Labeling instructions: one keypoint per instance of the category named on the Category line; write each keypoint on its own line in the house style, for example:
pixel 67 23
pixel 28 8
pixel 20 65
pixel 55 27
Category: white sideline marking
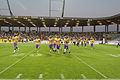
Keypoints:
pixel 18 76
pixel 18 54
pixel 114 55
pixel 31 55
pixel 15 63
pixel 62 76
pixel 84 77
pixel 41 76
pixel 35 55
pixel 39 54
pixel 91 67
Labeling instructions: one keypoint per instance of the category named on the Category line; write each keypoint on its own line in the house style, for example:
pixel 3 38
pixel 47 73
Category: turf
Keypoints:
pixel 102 62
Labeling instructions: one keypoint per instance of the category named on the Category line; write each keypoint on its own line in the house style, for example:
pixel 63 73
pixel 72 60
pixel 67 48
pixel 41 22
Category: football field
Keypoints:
pixel 102 62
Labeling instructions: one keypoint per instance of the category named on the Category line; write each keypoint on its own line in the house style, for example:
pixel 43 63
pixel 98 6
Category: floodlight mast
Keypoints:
pixel 63 8
pixel 11 14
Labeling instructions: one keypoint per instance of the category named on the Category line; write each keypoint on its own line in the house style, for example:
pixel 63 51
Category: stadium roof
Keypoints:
pixel 37 21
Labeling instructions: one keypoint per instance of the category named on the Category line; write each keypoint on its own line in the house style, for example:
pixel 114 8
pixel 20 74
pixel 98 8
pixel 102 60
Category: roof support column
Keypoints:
pixel 59 29
pixel 29 29
pixel 71 29
pixel 107 27
pixel 82 28
pixel 117 27
pixel 9 28
pixel 39 29
pixel 49 29
pixel 0 28
pixel 19 28
pixel 12 28
pixel 94 29
pixel 25 29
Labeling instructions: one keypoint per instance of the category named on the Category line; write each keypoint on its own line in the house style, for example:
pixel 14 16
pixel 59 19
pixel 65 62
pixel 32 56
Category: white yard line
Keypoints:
pixel 83 76
pixel 18 76
pixel 62 76
pixel 41 76
pixel 15 63
pixel 90 66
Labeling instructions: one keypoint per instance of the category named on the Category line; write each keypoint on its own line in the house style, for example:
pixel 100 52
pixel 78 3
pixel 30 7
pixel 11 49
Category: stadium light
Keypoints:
pixel 88 24
pixel 24 17
pixel 57 19
pixel 65 25
pixel 77 24
pixel 29 19
pixel 44 25
pixel 7 22
pixel 15 19
pixel 108 21
pixel 72 19
pixel 55 25
pixel 42 18
pixel 113 22
pixel 55 22
pixel 19 22
pixel 100 23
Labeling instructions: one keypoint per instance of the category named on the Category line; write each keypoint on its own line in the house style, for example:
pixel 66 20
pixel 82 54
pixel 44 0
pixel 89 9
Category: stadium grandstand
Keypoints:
pixel 56 45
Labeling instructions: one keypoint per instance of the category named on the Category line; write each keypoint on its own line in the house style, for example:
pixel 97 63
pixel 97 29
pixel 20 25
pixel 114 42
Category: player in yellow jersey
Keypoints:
pixel 92 42
pixel 51 43
pixel 66 45
pixel 15 42
pixel 54 44
pixel 38 44
pixel 58 43
pixel 78 42
pixel 85 43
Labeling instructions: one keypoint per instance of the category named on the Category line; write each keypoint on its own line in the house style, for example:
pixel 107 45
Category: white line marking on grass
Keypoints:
pixel 39 54
pixel 15 63
pixel 83 76
pixel 35 55
pixel 62 76
pixel 41 76
pixel 90 67
pixel 113 55
pixel 18 76
pixel 31 55
pixel 18 54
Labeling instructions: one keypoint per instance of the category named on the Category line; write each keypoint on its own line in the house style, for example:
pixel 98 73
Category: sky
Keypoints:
pixel 73 8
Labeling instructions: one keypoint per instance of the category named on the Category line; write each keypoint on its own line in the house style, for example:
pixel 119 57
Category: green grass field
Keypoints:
pixel 103 62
